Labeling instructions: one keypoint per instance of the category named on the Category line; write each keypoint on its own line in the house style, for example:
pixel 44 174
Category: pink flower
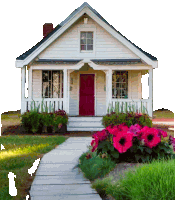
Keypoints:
pixel 163 133
pixel 102 135
pixel 123 127
pixel 94 143
pixel 123 141
pixel 109 128
pixel 150 136
pixel 135 128
pixel 172 142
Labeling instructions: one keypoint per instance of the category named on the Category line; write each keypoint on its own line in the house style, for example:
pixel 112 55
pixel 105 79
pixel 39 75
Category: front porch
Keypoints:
pixel 107 92
pixel 88 123
pixel 123 105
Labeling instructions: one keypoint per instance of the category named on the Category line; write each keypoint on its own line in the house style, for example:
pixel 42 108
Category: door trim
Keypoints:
pixel 78 91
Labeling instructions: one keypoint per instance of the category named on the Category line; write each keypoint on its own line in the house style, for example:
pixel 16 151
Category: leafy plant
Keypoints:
pixel 127 118
pixel 134 144
pixel 125 107
pixel 31 121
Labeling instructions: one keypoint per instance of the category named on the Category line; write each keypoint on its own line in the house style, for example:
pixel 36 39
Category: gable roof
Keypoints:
pixel 85 4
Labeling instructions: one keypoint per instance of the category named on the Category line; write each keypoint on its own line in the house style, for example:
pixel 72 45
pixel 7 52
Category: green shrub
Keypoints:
pixel 31 121
pixel 127 118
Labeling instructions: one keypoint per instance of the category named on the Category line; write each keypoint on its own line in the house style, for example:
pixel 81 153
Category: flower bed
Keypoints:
pixel 132 144
pixel 54 122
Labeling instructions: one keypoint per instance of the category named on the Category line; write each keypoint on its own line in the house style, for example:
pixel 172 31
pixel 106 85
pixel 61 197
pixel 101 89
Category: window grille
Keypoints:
pixel 120 85
pixel 86 41
pixel 52 84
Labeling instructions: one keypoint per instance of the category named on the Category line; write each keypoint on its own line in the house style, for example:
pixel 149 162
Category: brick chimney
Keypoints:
pixel 47 28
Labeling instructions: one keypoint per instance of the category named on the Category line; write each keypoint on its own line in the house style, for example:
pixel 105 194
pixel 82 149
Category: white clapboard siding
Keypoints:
pixel 100 94
pixel 73 101
pixel 37 83
pixel 66 46
pixel 134 84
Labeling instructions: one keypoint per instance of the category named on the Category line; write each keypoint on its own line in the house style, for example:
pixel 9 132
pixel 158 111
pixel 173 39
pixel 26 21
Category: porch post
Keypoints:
pixel 30 83
pixel 23 77
pixel 150 111
pixel 107 76
pixel 68 88
pixel 65 90
pixel 109 88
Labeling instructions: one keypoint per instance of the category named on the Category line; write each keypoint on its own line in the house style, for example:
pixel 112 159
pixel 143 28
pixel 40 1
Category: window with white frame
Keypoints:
pixel 52 84
pixel 86 41
pixel 120 85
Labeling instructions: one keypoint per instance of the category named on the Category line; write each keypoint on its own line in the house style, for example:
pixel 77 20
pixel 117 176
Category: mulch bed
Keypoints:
pixel 19 130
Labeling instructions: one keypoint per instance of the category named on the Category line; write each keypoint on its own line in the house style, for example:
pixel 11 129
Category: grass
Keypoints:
pixel 21 152
pixel 19 155
pixel 10 116
pixel 153 180
pixel 163 114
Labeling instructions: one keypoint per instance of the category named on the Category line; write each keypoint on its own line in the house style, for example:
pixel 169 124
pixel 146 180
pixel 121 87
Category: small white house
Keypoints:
pixel 84 66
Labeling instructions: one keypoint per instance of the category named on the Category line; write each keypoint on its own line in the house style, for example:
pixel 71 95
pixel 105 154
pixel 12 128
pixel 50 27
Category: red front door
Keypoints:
pixel 86 103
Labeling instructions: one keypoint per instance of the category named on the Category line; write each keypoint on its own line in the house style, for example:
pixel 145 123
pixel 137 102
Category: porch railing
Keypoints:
pixel 128 105
pixel 43 104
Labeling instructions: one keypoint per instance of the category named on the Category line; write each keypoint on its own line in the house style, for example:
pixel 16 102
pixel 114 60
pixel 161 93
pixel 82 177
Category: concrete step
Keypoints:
pixel 85 124
pixel 85 119
pixel 85 128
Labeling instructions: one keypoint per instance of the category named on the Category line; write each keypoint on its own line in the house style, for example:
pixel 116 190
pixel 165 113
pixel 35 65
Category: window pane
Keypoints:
pixel 89 41
pixel 45 76
pixel 50 75
pixel 83 41
pixel 83 35
pixel 89 35
pixel 55 84
pixel 50 90
pixel 83 47
pixel 89 47
pixel 46 89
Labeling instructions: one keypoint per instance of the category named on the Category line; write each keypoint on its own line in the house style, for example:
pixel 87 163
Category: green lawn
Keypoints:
pixel 19 155
pixel 163 114
pixel 153 181
pixel 21 152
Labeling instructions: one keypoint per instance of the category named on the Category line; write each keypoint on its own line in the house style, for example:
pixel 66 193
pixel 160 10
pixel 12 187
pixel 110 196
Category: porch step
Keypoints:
pixel 85 124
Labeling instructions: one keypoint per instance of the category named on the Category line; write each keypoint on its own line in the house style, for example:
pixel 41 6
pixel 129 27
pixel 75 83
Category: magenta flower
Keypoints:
pixel 94 143
pixel 123 141
pixel 172 142
pixel 163 133
pixel 102 135
pixel 150 136
pixel 135 129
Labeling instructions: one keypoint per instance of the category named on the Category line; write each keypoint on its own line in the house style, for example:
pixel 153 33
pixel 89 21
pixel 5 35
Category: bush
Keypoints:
pixel 31 121
pixel 127 118
pixel 134 144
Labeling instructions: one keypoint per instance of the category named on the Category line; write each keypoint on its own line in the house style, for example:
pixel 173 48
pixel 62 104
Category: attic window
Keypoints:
pixel 86 41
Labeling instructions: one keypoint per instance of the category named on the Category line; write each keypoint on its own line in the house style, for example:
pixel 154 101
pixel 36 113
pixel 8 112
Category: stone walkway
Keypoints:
pixel 58 178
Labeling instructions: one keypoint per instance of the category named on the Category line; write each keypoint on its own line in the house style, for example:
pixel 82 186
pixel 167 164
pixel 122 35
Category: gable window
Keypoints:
pixel 86 41
pixel 120 85
pixel 52 84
